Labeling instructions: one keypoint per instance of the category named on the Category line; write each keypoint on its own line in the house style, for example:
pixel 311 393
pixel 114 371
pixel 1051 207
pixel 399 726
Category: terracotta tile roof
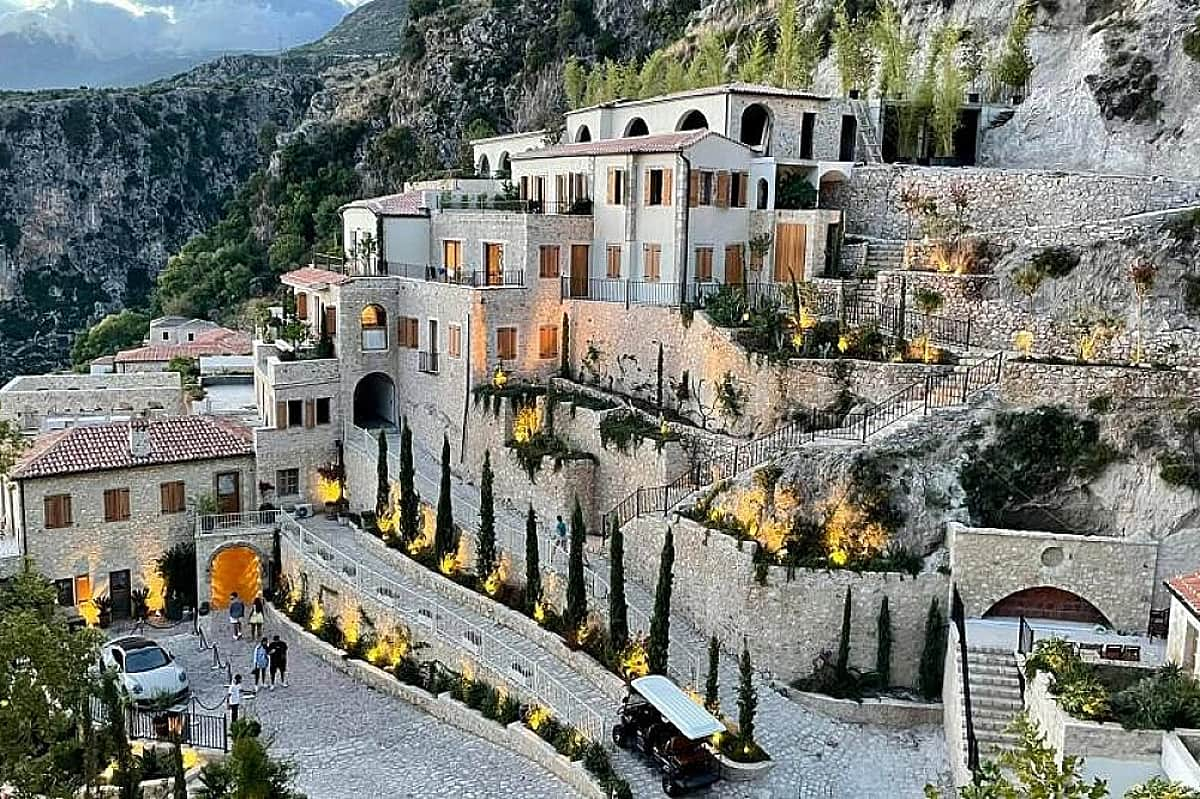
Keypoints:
pixel 656 143
pixel 1186 589
pixel 221 341
pixel 404 204
pixel 312 276
pixel 173 439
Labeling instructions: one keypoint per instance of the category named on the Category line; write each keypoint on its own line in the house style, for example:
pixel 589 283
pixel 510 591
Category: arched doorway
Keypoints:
pixel 235 569
pixel 503 167
pixel 1046 602
pixel 375 402
pixel 637 127
pixel 764 194
pixel 692 120
pixel 583 134
pixel 756 125
pixel 484 169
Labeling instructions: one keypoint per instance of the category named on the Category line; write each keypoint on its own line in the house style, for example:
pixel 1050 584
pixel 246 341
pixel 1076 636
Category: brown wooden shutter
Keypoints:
pixel 612 186
pixel 165 495
pixel 668 187
pixel 743 179
pixel 280 415
pixel 123 503
pixel 331 321
pixel 310 413
pixel 646 186
pixel 301 306
pixel 722 190
pixel 693 189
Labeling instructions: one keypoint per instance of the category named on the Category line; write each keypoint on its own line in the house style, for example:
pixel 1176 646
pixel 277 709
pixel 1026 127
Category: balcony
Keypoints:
pixel 471 278
pixel 428 363
pixel 582 207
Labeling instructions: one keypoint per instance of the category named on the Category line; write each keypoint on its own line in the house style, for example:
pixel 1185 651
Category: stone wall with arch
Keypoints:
pixel 209 549
pixel 1116 575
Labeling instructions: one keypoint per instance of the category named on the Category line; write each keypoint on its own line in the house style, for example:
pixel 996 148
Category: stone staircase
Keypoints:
pixel 884 254
pixel 995 697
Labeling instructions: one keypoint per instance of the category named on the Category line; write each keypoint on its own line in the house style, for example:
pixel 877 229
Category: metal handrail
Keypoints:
pixel 230 523
pixel 443 621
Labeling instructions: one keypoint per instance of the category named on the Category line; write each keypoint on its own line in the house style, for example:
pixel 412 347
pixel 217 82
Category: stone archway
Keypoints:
pixel 375 402
pixel 1047 602
pixel 692 120
pixel 236 567
pixel 636 127
pixel 583 134
pixel 484 169
pixel 756 125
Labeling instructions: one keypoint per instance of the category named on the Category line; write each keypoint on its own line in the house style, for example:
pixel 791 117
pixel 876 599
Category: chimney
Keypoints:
pixel 139 437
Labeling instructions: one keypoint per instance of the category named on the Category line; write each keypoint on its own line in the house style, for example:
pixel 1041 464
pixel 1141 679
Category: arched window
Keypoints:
pixel 756 125
pixel 485 169
pixel 374 328
pixel 637 127
pixel 692 120
pixel 583 134
pixel 503 167
pixel 764 194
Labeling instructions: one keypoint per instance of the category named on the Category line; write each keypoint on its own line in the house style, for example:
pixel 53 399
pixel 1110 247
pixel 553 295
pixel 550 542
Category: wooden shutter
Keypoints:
pixel 693 189
pixel 790 240
pixel 56 511
pixel 414 332
pixel 310 413
pixel 280 415
pixel 722 190
pixel 301 305
pixel 166 497
pixel 612 186
pixel 331 321
pixel 668 184
pixel 646 173
pixel 743 182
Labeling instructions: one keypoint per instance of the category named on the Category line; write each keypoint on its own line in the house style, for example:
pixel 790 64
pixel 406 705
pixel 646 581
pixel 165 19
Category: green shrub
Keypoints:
pixel 1158 788
pixel 1055 262
pixel 1191 40
pixel 1167 700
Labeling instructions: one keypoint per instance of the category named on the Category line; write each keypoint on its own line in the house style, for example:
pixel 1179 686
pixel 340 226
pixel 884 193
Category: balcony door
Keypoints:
pixel 493 259
pixel 229 492
pixel 433 336
pixel 579 270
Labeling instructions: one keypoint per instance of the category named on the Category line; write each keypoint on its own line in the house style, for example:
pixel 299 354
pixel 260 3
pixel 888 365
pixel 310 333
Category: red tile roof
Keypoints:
pixel 656 143
pixel 1186 589
pixel 173 439
pixel 221 341
pixel 404 204
pixel 312 276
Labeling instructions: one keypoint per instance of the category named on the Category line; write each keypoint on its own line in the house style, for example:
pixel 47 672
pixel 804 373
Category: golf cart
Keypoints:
pixel 661 722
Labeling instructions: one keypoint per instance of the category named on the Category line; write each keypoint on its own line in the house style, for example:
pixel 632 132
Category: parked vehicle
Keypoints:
pixel 661 722
pixel 148 673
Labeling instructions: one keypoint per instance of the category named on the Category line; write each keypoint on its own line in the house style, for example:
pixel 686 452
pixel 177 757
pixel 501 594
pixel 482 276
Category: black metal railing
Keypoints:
pixel 908 323
pixel 582 207
pixel 620 290
pixel 428 363
pixel 1024 636
pixel 934 391
pixel 958 617
pixel 202 730
pixel 473 278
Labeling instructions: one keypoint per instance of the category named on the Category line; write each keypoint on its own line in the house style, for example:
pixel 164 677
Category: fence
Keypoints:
pixel 230 523
pixel 482 202
pixel 908 322
pixel 958 618
pixel 934 391
pixel 449 626
pixel 201 730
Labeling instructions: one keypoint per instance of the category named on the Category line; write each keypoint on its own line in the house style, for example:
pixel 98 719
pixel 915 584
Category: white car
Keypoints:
pixel 149 673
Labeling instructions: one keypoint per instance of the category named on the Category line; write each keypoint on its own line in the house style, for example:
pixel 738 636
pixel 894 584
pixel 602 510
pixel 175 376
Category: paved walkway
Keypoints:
pixel 351 742
pixel 815 756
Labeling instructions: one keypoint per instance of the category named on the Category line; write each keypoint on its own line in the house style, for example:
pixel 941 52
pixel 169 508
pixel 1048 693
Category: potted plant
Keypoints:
pixel 103 606
pixel 140 598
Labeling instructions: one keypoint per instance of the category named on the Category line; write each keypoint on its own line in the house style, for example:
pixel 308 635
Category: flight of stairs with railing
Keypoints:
pixel 995 697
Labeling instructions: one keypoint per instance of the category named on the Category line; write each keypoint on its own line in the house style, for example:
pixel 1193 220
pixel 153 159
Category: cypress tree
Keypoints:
pixel 533 569
pixel 382 488
pixel 565 349
pixel 410 510
pixel 485 546
pixel 179 786
pixel 660 623
pixel 576 610
pixel 712 697
pixel 443 533
pixel 618 621
pixel 747 696
pixel 90 746
pixel 933 656
pixel 843 656
pixel 883 654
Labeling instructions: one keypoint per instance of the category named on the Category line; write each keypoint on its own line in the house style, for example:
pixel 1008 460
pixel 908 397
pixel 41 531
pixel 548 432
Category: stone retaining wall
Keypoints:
pixel 515 736
pixel 1003 198
pixel 787 624
pixel 879 712
pixel 1074 385
pixel 1071 736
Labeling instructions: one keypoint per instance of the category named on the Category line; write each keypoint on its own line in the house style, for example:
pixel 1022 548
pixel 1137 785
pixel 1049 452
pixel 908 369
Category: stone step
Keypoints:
pixel 992 665
pixel 1004 711
pixel 1004 679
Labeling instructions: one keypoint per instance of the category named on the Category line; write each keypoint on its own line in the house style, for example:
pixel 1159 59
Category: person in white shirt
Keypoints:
pixel 235 697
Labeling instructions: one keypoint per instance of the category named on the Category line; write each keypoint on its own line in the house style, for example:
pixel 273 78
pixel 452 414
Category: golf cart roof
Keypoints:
pixel 689 718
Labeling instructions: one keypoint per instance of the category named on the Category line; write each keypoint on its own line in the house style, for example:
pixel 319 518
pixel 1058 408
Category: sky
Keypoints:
pixel 115 28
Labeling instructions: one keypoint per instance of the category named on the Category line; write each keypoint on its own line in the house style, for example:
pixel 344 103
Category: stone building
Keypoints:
pixel 43 402
pixel 1184 622
pixel 93 507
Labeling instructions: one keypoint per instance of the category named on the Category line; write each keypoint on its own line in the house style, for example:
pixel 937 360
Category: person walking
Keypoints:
pixel 257 617
pixel 560 535
pixel 260 661
pixel 277 654
pixel 237 612
pixel 234 697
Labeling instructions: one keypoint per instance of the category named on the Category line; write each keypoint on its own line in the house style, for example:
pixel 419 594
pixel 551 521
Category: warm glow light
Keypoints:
pixel 388 650
pixel 539 612
pixel 526 424
pixel 449 563
pixel 849 535
pixel 498 377
pixel 90 613
pixel 318 617
pixel 191 758
pixel 155 600
pixel 328 490
pixel 424 539
pixel 1023 341
pixel 498 577
pixel 537 717
pixel 351 627
pixel 634 660
pixel 843 343
pixel 807 320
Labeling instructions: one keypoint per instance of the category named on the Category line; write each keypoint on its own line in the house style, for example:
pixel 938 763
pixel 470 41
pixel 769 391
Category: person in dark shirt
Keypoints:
pixel 277 652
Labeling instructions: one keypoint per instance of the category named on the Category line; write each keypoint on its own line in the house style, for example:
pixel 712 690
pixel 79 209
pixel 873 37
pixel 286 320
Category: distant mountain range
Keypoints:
pixel 71 43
